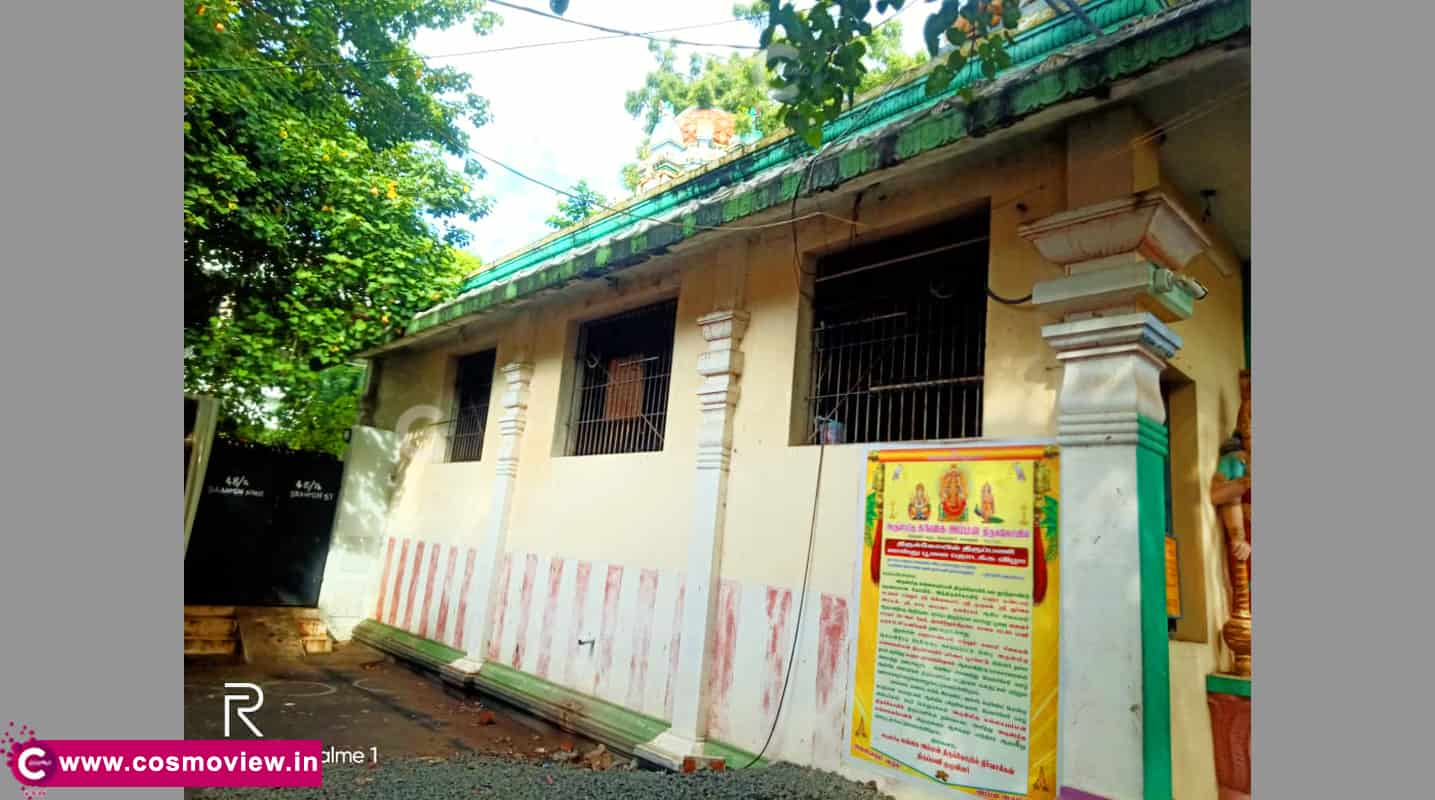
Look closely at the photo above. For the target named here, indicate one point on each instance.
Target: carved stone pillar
(1123, 283)
(493, 541)
(721, 368)
(1115, 717)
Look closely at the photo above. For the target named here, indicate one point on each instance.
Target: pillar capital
(518, 372)
(721, 368)
(1140, 334)
(1147, 226)
(727, 324)
(1120, 256)
(1112, 377)
(517, 376)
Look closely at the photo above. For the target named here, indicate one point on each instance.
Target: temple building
(618, 480)
(684, 143)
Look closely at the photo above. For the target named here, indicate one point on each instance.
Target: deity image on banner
(988, 508)
(953, 495)
(919, 509)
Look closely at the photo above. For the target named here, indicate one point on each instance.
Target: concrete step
(312, 628)
(210, 627)
(210, 647)
(255, 633)
(209, 611)
(211, 631)
(270, 634)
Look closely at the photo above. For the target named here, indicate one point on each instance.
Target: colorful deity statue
(920, 508)
(1231, 494)
(954, 494)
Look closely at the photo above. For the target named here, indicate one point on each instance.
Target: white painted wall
(629, 516)
(350, 572)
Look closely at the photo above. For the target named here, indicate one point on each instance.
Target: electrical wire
(1180, 120)
(801, 601)
(618, 31)
(658, 220)
(1176, 122)
(821, 440)
(483, 51)
(1005, 301)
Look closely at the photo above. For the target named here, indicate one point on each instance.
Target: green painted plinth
(1236, 685)
(620, 729)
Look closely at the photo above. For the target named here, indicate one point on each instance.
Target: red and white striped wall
(423, 589)
(754, 629)
(632, 616)
(634, 613)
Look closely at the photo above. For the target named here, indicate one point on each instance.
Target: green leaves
(319, 211)
(826, 48)
(572, 210)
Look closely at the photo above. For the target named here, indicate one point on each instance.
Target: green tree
(467, 263)
(584, 203)
(733, 83)
(739, 83)
(819, 59)
(319, 211)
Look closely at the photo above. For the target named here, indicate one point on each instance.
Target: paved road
(431, 744)
(357, 699)
(473, 777)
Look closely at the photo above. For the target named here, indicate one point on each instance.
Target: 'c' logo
(33, 764)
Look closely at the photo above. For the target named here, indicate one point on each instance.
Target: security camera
(1196, 288)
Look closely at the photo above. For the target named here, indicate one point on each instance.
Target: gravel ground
(478, 776)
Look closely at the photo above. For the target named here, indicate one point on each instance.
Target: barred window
(898, 337)
(620, 396)
(472, 394)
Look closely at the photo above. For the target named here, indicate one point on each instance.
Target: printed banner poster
(955, 674)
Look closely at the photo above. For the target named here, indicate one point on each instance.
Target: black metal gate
(261, 533)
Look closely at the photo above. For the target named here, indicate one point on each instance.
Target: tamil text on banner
(955, 674)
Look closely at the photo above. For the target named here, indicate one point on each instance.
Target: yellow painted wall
(635, 509)
(1211, 356)
(772, 484)
(433, 500)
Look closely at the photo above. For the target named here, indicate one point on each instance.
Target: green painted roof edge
(1173, 33)
(1038, 42)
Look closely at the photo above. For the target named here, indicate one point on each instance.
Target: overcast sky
(557, 112)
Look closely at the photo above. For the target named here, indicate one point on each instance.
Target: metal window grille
(898, 337)
(620, 397)
(471, 399)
